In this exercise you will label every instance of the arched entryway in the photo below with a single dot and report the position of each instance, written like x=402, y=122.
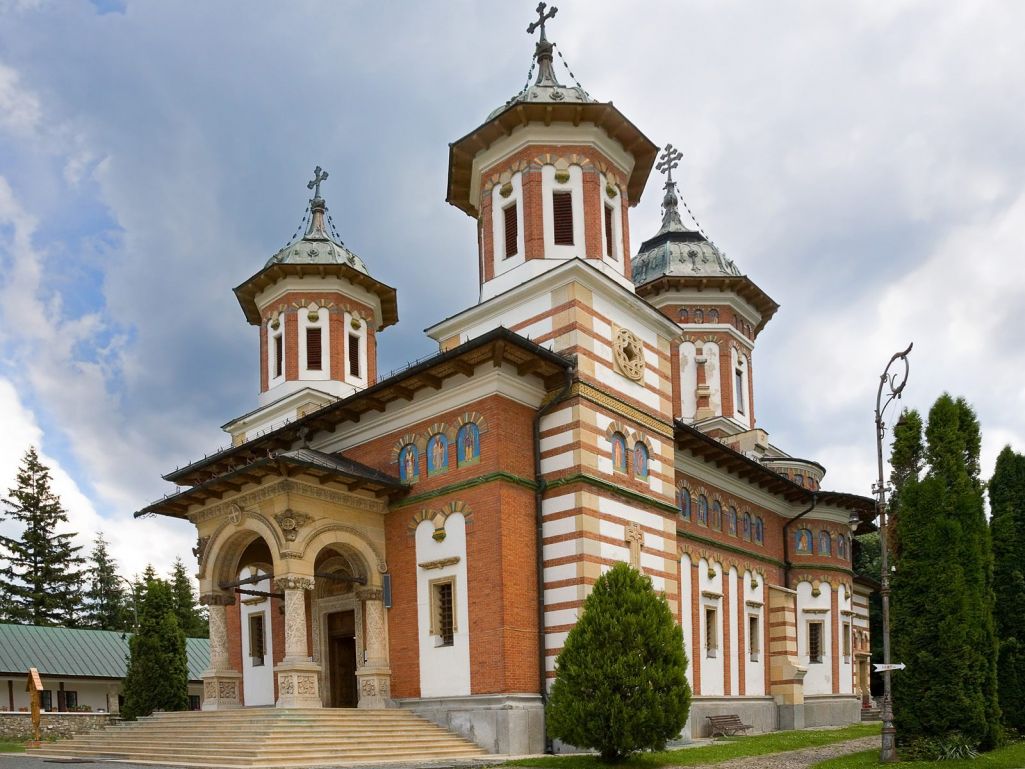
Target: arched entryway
x=338, y=637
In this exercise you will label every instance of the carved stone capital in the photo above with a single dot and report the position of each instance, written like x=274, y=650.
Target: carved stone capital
x=370, y=594
x=217, y=599
x=294, y=583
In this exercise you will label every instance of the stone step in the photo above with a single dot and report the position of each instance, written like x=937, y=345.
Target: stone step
x=270, y=744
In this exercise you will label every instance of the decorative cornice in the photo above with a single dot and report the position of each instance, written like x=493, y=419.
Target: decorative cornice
x=291, y=582
x=370, y=594
x=601, y=398
x=724, y=546
x=633, y=496
x=441, y=563
x=249, y=498
x=217, y=599
x=417, y=499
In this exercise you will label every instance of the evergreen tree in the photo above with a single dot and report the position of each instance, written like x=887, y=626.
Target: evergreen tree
x=158, y=674
x=186, y=608
x=942, y=593
x=42, y=576
x=621, y=683
x=106, y=603
x=1007, y=525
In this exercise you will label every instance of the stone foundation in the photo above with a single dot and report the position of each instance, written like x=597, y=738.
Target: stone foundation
x=510, y=724
x=831, y=709
x=18, y=726
x=760, y=712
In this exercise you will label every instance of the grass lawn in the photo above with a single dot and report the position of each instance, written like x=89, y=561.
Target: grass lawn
x=721, y=750
x=1010, y=757
x=11, y=747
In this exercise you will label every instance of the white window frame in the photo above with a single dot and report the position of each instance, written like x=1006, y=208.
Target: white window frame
x=324, y=372
x=614, y=255
x=364, y=349
x=754, y=640
x=272, y=334
x=574, y=185
x=498, y=206
x=711, y=649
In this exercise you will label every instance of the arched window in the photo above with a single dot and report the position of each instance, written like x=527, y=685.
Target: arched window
x=731, y=521
x=825, y=543
x=799, y=479
x=437, y=454
x=640, y=460
x=702, y=510
x=468, y=444
x=713, y=316
x=841, y=547
x=717, y=515
x=759, y=531
x=745, y=526
x=683, y=502
x=699, y=316
x=803, y=541
x=409, y=463
x=618, y=453
x=684, y=315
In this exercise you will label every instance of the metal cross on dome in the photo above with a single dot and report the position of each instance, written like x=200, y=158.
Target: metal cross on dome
x=542, y=17
x=319, y=175
x=670, y=159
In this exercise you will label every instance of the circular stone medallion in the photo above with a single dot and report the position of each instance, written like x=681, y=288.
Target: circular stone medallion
x=629, y=354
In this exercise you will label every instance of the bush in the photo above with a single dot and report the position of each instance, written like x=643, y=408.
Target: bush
x=621, y=683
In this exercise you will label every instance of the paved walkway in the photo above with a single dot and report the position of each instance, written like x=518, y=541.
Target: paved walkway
x=800, y=759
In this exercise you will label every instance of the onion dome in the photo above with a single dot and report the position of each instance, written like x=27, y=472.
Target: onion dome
x=546, y=88
x=676, y=250
x=317, y=246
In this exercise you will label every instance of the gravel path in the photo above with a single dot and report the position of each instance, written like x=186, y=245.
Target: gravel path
x=801, y=759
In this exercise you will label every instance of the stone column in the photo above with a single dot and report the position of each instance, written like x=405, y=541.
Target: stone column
x=785, y=675
x=220, y=682
x=375, y=676
x=298, y=675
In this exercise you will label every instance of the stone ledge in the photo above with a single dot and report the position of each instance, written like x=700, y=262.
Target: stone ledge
x=18, y=726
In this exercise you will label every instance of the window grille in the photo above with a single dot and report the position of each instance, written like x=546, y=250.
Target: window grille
x=444, y=616
x=562, y=217
x=814, y=642
x=314, y=350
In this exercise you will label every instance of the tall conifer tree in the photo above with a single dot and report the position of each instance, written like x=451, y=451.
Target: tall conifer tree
x=158, y=674
x=42, y=575
x=106, y=603
x=942, y=601
x=190, y=617
x=1007, y=503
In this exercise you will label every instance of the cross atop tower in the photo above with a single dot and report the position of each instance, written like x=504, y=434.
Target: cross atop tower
x=542, y=17
x=319, y=175
x=670, y=159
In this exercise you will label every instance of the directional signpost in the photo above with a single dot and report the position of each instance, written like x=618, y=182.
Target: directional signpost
x=897, y=666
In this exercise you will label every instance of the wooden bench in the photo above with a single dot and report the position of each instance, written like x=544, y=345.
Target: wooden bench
x=727, y=726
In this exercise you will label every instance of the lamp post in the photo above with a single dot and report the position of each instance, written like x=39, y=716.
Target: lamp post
x=895, y=384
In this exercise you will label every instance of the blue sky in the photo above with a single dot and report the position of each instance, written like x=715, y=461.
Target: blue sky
x=863, y=162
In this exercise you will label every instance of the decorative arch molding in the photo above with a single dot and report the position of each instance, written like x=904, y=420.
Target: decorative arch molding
x=352, y=538
x=418, y=440
x=279, y=310
x=503, y=177
x=617, y=427
x=439, y=428
x=818, y=580
x=440, y=517
x=222, y=553
x=472, y=417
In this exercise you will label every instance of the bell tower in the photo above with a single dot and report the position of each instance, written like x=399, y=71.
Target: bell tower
x=721, y=311
x=549, y=177
x=319, y=311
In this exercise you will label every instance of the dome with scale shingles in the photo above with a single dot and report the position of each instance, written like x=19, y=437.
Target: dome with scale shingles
x=317, y=246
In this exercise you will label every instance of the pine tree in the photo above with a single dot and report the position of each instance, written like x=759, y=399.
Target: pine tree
x=190, y=617
x=158, y=673
x=42, y=577
x=942, y=594
x=621, y=683
x=1007, y=525
x=106, y=605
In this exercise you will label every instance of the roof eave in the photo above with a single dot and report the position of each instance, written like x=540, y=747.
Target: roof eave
x=750, y=292
x=603, y=114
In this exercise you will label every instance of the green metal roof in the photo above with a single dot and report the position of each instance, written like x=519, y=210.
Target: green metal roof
x=62, y=651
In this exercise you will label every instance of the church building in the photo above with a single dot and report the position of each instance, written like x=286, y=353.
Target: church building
x=426, y=540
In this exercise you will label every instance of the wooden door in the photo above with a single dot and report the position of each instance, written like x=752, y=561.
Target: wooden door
x=342, y=659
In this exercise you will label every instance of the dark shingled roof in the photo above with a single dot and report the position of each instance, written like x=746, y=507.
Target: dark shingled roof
x=73, y=652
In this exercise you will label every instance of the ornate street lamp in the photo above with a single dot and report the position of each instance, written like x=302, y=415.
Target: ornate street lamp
x=895, y=384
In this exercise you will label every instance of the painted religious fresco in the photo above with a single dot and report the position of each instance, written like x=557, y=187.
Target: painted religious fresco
x=802, y=540
x=409, y=464
x=732, y=521
x=437, y=454
x=683, y=502
x=640, y=460
x=468, y=444
x=618, y=453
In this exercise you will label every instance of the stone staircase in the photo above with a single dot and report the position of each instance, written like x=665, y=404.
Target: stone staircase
x=871, y=714
x=267, y=737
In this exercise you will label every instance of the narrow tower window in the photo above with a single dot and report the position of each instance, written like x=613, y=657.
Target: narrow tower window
x=314, y=352
x=354, y=362
x=754, y=642
x=511, y=231
x=711, y=632
x=444, y=612
x=814, y=642
x=610, y=248
x=257, y=644
x=739, y=387
x=278, y=356
x=562, y=217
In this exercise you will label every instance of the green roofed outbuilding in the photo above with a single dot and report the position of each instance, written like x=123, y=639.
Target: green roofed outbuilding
x=81, y=669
